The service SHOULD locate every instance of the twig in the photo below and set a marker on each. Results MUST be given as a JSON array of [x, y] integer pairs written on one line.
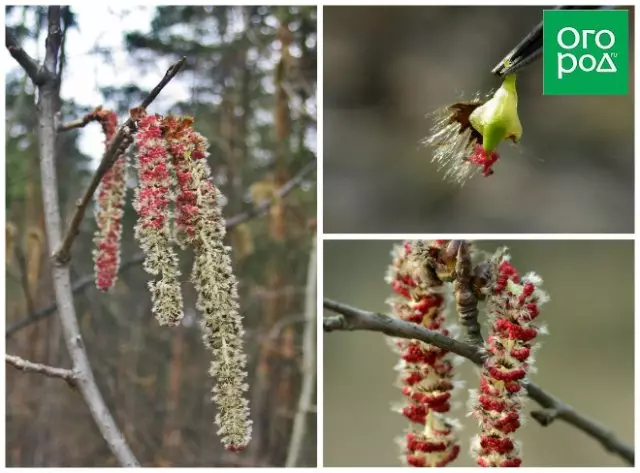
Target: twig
[[89, 280], [308, 365], [356, 319], [29, 367], [80, 122], [466, 300], [47, 133], [116, 148], [263, 207], [351, 318]]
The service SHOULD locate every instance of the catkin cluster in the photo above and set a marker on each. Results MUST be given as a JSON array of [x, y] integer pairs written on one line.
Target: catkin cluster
[[179, 206], [422, 275]]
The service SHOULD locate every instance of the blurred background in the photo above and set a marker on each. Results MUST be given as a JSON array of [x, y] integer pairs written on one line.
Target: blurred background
[[586, 360], [385, 68], [250, 84]]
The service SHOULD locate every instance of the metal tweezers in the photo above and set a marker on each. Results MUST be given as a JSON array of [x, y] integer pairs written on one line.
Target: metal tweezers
[[530, 48]]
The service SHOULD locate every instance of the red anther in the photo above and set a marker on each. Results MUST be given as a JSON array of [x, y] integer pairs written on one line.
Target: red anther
[[506, 374], [509, 423], [416, 414], [413, 378], [500, 445], [484, 159], [422, 445], [416, 460], [528, 289], [520, 354], [491, 403]]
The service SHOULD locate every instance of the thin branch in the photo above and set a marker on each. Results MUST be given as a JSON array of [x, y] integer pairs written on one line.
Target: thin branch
[[81, 122], [48, 99], [355, 319], [29, 367], [30, 66], [466, 299], [308, 365], [89, 280], [263, 207], [117, 146], [351, 318]]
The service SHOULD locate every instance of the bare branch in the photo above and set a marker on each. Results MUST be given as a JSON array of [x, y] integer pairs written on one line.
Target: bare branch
[[116, 148], [81, 122], [29, 367], [47, 133], [282, 192], [308, 365], [89, 280], [356, 319], [466, 300], [30, 66], [351, 318]]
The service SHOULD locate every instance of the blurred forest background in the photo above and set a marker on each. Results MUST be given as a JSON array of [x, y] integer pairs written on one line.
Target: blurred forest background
[[573, 171], [586, 360], [250, 84]]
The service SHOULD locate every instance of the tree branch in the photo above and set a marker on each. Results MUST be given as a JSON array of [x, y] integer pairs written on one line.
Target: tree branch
[[351, 318], [89, 280], [30, 66], [29, 367], [118, 145], [47, 108], [466, 299], [308, 365]]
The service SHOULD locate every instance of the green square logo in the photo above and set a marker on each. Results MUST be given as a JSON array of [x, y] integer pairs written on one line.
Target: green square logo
[[585, 52]]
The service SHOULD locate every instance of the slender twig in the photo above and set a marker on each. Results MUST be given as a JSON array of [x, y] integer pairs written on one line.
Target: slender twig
[[308, 365], [89, 280], [263, 207], [80, 122], [351, 318], [48, 99], [466, 299], [51, 371], [355, 319], [116, 148]]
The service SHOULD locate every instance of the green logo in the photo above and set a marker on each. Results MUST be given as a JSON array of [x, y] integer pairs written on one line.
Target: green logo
[[586, 52]]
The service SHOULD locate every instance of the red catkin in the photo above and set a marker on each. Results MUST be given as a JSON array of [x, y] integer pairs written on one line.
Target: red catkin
[[512, 304], [109, 210], [426, 371]]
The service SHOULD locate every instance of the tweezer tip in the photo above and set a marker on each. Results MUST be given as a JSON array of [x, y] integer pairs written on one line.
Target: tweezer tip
[[503, 67]]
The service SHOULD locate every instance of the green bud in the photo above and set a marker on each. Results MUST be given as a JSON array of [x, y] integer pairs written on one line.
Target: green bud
[[497, 119]]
